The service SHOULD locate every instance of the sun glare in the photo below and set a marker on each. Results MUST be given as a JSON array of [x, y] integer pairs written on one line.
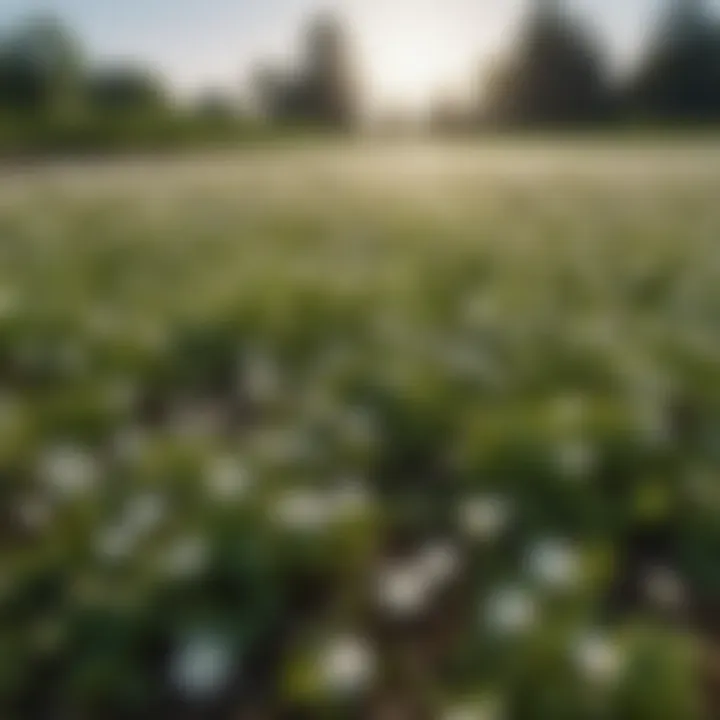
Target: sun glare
[[406, 73], [411, 58]]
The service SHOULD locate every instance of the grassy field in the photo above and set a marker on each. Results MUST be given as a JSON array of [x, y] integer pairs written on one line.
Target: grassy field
[[362, 431]]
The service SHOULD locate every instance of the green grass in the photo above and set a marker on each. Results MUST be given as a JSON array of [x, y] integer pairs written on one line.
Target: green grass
[[236, 388]]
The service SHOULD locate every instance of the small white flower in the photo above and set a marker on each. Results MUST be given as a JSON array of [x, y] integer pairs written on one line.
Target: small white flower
[[554, 563], [303, 510], [202, 666], [510, 611], [187, 557], [227, 478], [116, 542], [598, 658], [664, 588], [141, 515], [484, 517], [439, 564], [68, 470], [402, 589], [145, 512], [347, 665]]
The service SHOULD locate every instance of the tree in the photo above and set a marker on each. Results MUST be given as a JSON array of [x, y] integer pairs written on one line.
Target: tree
[[125, 90], [274, 93], [216, 104], [555, 75], [680, 76], [41, 66], [323, 90], [329, 86]]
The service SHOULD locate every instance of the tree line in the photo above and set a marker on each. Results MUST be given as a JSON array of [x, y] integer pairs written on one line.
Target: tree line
[[53, 97], [558, 74], [554, 74], [44, 72]]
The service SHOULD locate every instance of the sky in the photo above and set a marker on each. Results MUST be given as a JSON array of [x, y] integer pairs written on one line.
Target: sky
[[411, 48]]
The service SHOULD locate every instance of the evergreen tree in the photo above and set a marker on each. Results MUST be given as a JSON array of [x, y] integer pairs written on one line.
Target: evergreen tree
[[555, 74], [329, 92], [41, 68], [680, 76], [323, 90]]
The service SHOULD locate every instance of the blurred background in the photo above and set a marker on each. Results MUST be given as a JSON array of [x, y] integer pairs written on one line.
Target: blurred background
[[359, 359], [77, 75]]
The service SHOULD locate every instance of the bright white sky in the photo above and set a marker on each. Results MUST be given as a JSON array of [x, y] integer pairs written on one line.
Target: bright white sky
[[409, 48]]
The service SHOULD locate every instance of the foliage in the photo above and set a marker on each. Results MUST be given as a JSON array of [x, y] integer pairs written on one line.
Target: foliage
[[312, 438], [125, 90], [40, 68], [554, 76], [680, 77], [323, 91], [127, 132], [53, 101]]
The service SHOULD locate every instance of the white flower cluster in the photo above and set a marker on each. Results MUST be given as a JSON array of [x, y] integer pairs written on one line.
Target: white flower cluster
[[510, 611], [555, 564], [406, 588], [347, 665], [485, 517], [202, 665], [227, 479], [141, 515], [68, 471], [186, 557], [313, 510], [599, 659]]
